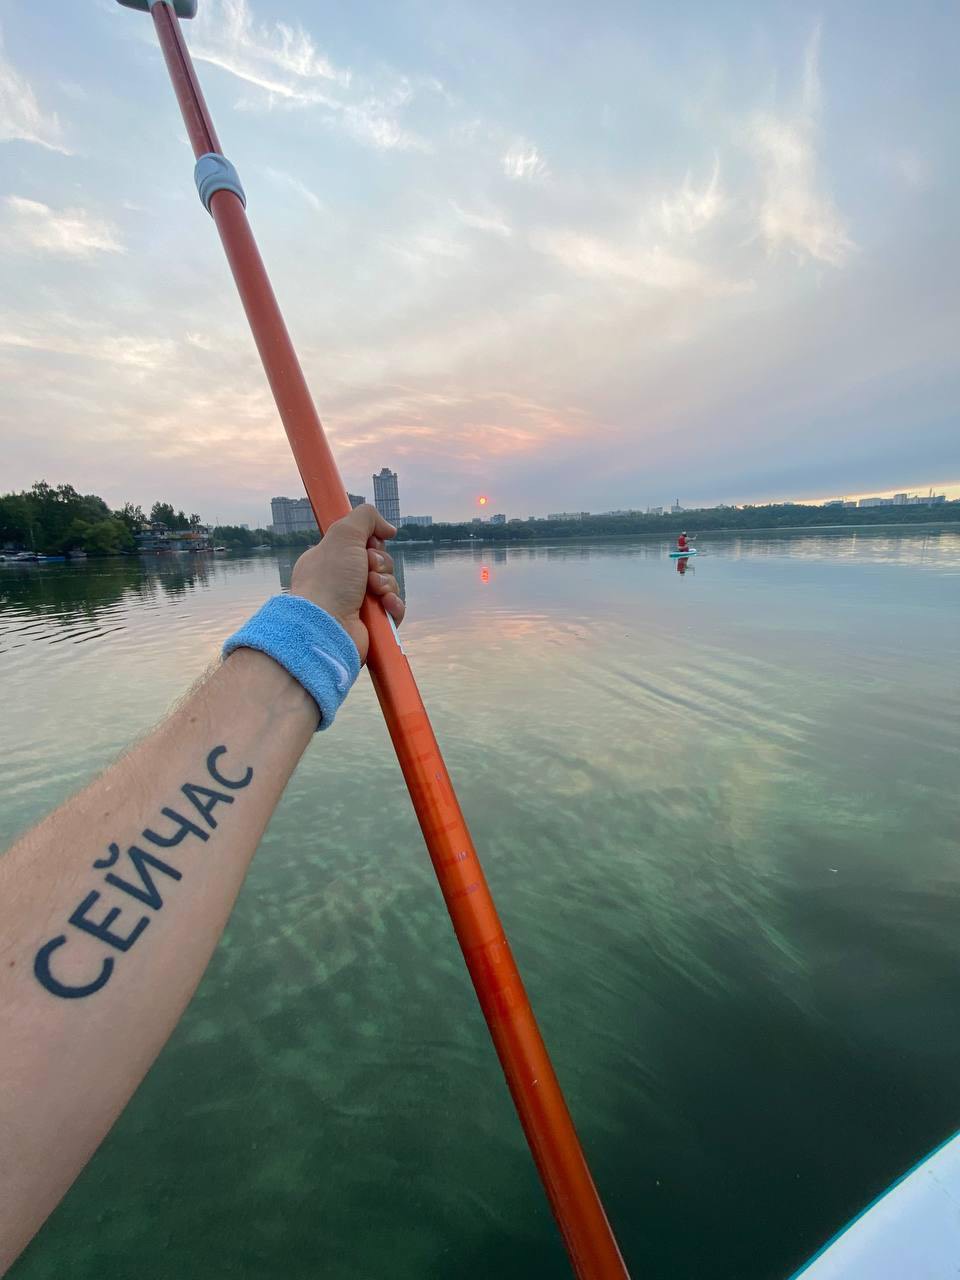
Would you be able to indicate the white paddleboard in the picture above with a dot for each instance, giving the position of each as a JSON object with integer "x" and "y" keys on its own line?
{"x": 911, "y": 1232}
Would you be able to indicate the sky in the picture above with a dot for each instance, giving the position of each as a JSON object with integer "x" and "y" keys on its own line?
{"x": 570, "y": 256}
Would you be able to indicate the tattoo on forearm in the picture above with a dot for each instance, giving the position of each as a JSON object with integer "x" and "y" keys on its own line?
{"x": 136, "y": 877}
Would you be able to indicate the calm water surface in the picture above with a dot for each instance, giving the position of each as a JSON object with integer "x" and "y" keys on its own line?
{"x": 719, "y": 814}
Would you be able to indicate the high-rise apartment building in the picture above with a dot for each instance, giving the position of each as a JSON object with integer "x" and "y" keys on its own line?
{"x": 292, "y": 515}
{"x": 386, "y": 495}
{"x": 295, "y": 515}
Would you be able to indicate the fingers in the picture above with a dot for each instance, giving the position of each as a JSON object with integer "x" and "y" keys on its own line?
{"x": 380, "y": 584}
{"x": 384, "y": 587}
{"x": 394, "y": 606}
{"x": 379, "y": 560}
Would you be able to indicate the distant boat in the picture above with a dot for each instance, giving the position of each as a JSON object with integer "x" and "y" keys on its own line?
{"x": 52, "y": 559}
{"x": 219, "y": 548}
{"x": 76, "y": 555}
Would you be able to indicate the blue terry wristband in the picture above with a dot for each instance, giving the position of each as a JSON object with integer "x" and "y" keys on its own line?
{"x": 310, "y": 644}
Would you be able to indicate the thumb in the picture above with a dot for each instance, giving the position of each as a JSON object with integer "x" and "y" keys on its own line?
{"x": 364, "y": 523}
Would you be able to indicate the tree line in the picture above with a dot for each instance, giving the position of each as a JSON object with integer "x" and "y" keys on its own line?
{"x": 785, "y": 515}
{"x": 57, "y": 519}
{"x": 54, "y": 519}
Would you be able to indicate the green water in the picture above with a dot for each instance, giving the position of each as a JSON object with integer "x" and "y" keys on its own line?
{"x": 719, "y": 815}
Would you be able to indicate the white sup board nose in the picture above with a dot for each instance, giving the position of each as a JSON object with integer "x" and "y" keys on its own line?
{"x": 911, "y": 1232}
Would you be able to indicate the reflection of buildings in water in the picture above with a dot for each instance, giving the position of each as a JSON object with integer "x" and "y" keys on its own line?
{"x": 522, "y": 552}
{"x": 285, "y": 563}
{"x": 418, "y": 554}
{"x": 175, "y": 577}
{"x": 499, "y": 555}
{"x": 572, "y": 551}
{"x": 398, "y": 573}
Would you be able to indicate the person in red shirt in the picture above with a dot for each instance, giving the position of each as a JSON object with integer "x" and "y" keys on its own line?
{"x": 682, "y": 543}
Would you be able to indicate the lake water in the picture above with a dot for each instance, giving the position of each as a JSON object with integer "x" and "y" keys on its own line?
{"x": 718, "y": 811}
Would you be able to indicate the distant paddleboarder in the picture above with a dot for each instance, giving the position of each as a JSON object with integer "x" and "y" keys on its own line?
{"x": 683, "y": 543}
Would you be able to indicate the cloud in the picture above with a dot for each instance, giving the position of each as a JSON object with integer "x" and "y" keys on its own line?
{"x": 490, "y": 222}
{"x": 21, "y": 118}
{"x": 284, "y": 64}
{"x": 794, "y": 214}
{"x": 688, "y": 211}
{"x": 371, "y": 122}
{"x": 650, "y": 266}
{"x": 465, "y": 428}
{"x": 419, "y": 250}
{"x": 524, "y": 162}
{"x": 283, "y": 179}
{"x": 811, "y": 95}
{"x": 32, "y": 227}
{"x": 551, "y": 317}
{"x": 277, "y": 58}
{"x": 62, "y": 335}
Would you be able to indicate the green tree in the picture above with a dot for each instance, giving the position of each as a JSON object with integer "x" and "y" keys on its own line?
{"x": 98, "y": 537}
{"x": 76, "y": 535}
{"x": 131, "y": 516}
{"x": 162, "y": 513}
{"x": 108, "y": 537}
{"x": 231, "y": 535}
{"x": 54, "y": 509}
{"x": 15, "y": 518}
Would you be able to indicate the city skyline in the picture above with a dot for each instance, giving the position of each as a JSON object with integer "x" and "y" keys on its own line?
{"x": 708, "y": 253}
{"x": 305, "y": 520}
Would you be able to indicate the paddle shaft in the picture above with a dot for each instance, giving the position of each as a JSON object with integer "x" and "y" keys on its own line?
{"x": 533, "y": 1084}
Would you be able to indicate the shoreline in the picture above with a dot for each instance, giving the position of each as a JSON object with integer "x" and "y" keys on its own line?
{"x": 938, "y": 526}
{"x": 767, "y": 530}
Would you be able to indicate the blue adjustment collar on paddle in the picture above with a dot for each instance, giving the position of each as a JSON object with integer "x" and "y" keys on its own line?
{"x": 214, "y": 172}
{"x": 182, "y": 8}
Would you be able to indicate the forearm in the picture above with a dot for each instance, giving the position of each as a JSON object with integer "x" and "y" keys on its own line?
{"x": 109, "y": 912}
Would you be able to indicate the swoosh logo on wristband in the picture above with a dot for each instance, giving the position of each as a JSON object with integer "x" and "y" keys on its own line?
{"x": 343, "y": 675}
